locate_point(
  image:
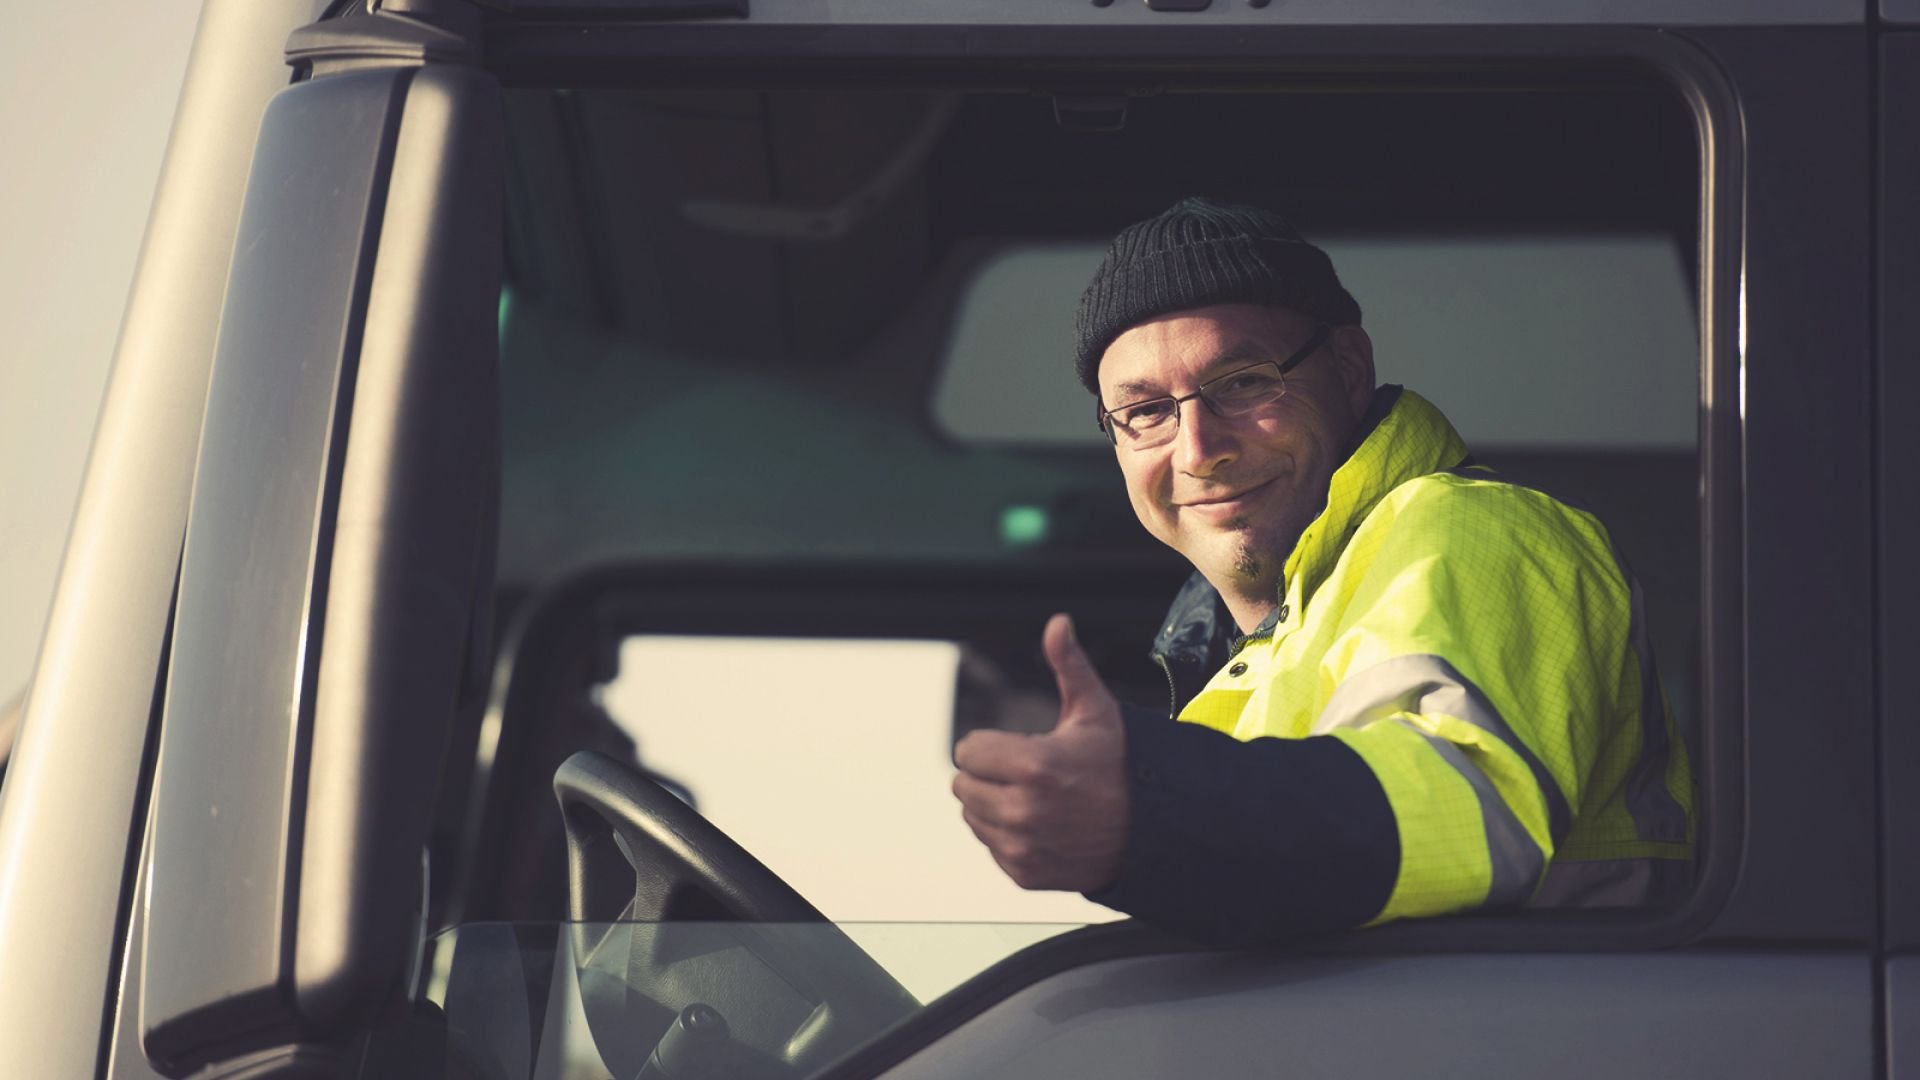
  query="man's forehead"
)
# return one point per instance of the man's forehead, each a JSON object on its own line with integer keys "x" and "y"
{"x": 1190, "y": 345}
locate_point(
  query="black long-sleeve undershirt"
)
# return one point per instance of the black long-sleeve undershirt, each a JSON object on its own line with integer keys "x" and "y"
{"x": 1236, "y": 843}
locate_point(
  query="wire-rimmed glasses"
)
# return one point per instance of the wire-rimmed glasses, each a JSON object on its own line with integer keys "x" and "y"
{"x": 1143, "y": 425}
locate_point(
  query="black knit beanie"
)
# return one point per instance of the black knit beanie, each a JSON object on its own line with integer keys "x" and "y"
{"x": 1197, "y": 254}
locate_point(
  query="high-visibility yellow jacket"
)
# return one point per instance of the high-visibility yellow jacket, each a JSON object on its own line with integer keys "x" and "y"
{"x": 1454, "y": 705}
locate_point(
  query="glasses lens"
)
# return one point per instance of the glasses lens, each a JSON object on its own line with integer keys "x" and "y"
{"x": 1148, "y": 423}
{"x": 1245, "y": 390}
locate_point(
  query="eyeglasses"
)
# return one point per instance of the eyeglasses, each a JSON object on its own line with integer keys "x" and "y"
{"x": 1144, "y": 425}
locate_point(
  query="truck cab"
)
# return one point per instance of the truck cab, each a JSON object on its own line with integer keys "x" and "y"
{"x": 566, "y": 461}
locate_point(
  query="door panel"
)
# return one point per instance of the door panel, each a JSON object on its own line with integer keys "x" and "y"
{"x": 1568, "y": 1016}
{"x": 1807, "y": 861}
{"x": 1899, "y": 451}
{"x": 1903, "y": 1018}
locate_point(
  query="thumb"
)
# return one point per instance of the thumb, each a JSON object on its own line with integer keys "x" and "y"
{"x": 1083, "y": 694}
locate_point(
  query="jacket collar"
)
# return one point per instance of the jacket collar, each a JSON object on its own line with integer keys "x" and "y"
{"x": 1401, "y": 436}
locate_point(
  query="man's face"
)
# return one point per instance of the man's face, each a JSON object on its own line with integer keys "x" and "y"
{"x": 1233, "y": 494}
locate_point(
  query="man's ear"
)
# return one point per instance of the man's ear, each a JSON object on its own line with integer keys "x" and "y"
{"x": 1353, "y": 358}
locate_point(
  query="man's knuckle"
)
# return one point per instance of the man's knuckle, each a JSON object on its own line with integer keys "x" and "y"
{"x": 1028, "y": 770}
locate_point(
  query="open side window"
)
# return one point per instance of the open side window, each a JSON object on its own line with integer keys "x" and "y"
{"x": 744, "y": 295}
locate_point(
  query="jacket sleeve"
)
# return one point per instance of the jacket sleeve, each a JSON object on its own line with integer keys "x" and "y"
{"x": 1480, "y": 661}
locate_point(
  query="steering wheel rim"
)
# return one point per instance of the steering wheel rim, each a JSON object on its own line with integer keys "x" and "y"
{"x": 639, "y": 857}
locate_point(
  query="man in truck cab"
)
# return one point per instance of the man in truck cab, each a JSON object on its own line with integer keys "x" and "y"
{"x": 1402, "y": 685}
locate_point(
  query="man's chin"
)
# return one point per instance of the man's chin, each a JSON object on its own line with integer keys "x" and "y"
{"x": 1251, "y": 557}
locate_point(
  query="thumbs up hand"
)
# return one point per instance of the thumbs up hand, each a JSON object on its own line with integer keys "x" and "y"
{"x": 1052, "y": 808}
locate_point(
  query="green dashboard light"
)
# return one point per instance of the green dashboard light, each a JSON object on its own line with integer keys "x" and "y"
{"x": 1023, "y": 526}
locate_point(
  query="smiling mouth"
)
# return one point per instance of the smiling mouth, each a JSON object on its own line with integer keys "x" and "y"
{"x": 1224, "y": 500}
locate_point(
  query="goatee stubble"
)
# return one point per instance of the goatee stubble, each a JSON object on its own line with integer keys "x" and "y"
{"x": 1249, "y": 561}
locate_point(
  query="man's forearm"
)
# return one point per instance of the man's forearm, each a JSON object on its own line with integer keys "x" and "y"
{"x": 1241, "y": 842}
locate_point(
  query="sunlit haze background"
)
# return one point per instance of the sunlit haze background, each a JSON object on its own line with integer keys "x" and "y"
{"x": 87, "y": 94}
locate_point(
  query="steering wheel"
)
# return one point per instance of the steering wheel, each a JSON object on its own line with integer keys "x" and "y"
{"x": 693, "y": 954}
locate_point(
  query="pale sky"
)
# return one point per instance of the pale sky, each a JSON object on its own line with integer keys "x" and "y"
{"x": 87, "y": 94}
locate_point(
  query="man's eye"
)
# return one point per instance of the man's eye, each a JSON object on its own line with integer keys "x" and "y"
{"x": 1245, "y": 384}
{"x": 1147, "y": 414}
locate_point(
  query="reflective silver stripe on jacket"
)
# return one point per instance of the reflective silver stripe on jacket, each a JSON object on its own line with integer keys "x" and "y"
{"x": 1425, "y": 683}
{"x": 1513, "y": 859}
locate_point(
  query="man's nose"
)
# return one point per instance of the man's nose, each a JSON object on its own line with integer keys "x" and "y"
{"x": 1204, "y": 442}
